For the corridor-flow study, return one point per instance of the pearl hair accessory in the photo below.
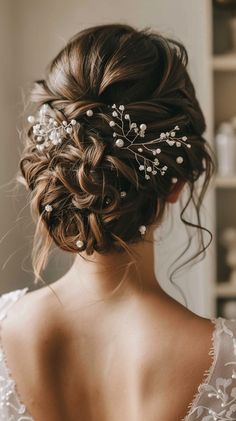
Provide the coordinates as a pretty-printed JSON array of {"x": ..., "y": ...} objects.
[
  {"x": 79, "y": 244},
  {"x": 48, "y": 208},
  {"x": 142, "y": 229},
  {"x": 47, "y": 131},
  {"x": 122, "y": 140}
]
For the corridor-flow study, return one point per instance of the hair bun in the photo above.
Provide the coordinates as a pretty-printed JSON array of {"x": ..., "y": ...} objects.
[{"x": 83, "y": 177}]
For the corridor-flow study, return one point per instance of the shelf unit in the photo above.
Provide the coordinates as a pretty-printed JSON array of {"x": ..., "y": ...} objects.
[
  {"x": 223, "y": 69},
  {"x": 224, "y": 62},
  {"x": 225, "y": 182},
  {"x": 225, "y": 291}
]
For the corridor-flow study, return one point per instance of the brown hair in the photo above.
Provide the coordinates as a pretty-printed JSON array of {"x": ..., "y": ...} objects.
[{"x": 100, "y": 66}]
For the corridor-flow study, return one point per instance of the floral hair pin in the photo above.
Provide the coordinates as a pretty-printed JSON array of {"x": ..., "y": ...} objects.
[
  {"x": 124, "y": 141},
  {"x": 47, "y": 131}
]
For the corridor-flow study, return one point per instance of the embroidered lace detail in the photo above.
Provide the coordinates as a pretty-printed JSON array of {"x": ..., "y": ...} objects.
[
  {"x": 11, "y": 407},
  {"x": 213, "y": 352},
  {"x": 216, "y": 398}
]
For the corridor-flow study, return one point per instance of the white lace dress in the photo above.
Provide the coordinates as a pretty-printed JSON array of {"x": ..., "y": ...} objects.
[{"x": 215, "y": 399}]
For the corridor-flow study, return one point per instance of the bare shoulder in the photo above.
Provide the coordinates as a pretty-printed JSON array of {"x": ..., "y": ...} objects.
[
  {"x": 32, "y": 334},
  {"x": 180, "y": 339},
  {"x": 33, "y": 340},
  {"x": 177, "y": 344},
  {"x": 32, "y": 318}
]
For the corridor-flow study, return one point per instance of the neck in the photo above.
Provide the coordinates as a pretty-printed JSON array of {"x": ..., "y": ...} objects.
[{"x": 101, "y": 274}]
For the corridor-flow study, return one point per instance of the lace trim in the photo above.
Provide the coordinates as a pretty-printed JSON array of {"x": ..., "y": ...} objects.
[
  {"x": 213, "y": 352},
  {"x": 22, "y": 409}
]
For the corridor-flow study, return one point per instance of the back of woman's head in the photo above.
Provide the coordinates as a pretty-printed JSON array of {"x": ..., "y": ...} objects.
[{"x": 83, "y": 178}]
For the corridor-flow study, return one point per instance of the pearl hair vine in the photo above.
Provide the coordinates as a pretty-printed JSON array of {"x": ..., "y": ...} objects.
[
  {"x": 47, "y": 131},
  {"x": 123, "y": 140}
]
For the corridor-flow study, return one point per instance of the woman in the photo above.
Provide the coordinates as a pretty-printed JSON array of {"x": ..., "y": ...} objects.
[{"x": 115, "y": 138}]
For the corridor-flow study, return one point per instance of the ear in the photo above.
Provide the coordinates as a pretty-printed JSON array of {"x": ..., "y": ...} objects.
[{"x": 175, "y": 192}]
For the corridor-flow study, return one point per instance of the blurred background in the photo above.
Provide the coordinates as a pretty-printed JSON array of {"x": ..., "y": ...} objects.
[{"x": 31, "y": 33}]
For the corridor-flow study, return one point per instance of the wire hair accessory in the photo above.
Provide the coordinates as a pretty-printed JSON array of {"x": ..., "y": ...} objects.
[
  {"x": 47, "y": 131},
  {"x": 125, "y": 141}
]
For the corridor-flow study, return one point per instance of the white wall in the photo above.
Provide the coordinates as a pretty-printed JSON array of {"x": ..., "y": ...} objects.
[{"x": 33, "y": 32}]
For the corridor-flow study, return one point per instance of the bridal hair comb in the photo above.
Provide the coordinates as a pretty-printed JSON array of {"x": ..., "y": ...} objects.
[{"x": 125, "y": 141}]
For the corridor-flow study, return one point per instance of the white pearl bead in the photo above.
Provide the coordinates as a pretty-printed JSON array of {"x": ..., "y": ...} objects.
[
  {"x": 158, "y": 150},
  {"x": 89, "y": 113},
  {"x": 143, "y": 126},
  {"x": 112, "y": 123},
  {"x": 64, "y": 123},
  {"x": 142, "y": 229},
  {"x": 31, "y": 119},
  {"x": 188, "y": 145},
  {"x": 69, "y": 130},
  {"x": 119, "y": 143},
  {"x": 73, "y": 122},
  {"x": 121, "y": 107},
  {"x": 123, "y": 193},
  {"x": 141, "y": 167},
  {"x": 114, "y": 114},
  {"x": 79, "y": 244},
  {"x": 179, "y": 159},
  {"x": 149, "y": 169},
  {"x": 140, "y": 149},
  {"x": 48, "y": 208},
  {"x": 184, "y": 138},
  {"x": 174, "y": 180}
]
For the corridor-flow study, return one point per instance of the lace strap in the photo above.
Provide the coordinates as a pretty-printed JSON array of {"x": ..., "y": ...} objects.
[
  {"x": 11, "y": 406},
  {"x": 206, "y": 378}
]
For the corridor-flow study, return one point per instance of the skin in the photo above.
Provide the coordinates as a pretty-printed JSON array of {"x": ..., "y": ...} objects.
[{"x": 82, "y": 354}]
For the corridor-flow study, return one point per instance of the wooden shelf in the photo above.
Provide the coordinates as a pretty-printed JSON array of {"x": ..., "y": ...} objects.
[
  {"x": 225, "y": 291},
  {"x": 225, "y": 182},
  {"x": 224, "y": 62}
]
